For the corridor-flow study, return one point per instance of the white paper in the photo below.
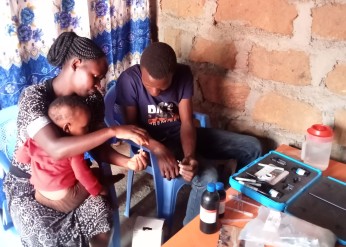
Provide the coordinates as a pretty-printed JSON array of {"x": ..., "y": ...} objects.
[{"x": 147, "y": 232}]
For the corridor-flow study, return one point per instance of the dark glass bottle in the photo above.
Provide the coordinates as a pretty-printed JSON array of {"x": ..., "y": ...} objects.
[
  {"x": 222, "y": 194},
  {"x": 209, "y": 209}
]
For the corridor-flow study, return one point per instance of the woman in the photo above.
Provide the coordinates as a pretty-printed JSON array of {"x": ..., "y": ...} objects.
[{"x": 83, "y": 66}]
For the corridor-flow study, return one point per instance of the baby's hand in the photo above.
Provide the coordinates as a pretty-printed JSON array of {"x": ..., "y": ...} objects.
[{"x": 138, "y": 162}]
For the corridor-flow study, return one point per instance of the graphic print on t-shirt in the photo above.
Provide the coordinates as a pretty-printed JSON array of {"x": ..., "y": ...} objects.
[{"x": 164, "y": 112}]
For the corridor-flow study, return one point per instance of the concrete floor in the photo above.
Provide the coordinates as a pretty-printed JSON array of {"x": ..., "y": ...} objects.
[{"x": 143, "y": 201}]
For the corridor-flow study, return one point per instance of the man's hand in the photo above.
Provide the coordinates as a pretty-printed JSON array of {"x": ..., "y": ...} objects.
[
  {"x": 138, "y": 162},
  {"x": 188, "y": 168},
  {"x": 131, "y": 132},
  {"x": 167, "y": 162}
]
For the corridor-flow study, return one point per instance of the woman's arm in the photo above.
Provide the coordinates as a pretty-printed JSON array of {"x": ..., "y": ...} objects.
[
  {"x": 107, "y": 154},
  {"x": 58, "y": 147}
]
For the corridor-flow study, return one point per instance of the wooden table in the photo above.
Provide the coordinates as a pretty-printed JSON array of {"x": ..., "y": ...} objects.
[{"x": 191, "y": 236}]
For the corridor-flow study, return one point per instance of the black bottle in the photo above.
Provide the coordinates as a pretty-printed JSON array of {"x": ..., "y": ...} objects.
[
  {"x": 209, "y": 209},
  {"x": 222, "y": 194}
]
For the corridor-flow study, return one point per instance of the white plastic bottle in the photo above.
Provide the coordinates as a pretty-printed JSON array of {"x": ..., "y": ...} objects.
[{"x": 317, "y": 146}]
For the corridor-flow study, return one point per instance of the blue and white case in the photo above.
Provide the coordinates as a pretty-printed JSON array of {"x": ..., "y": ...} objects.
[{"x": 307, "y": 195}]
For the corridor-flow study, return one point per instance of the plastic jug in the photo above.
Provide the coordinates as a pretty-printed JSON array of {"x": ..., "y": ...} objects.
[{"x": 317, "y": 146}]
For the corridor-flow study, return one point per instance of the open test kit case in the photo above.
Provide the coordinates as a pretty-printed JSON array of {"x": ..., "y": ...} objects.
[{"x": 285, "y": 184}]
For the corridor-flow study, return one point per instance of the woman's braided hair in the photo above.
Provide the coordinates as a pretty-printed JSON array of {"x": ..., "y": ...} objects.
[{"x": 69, "y": 45}]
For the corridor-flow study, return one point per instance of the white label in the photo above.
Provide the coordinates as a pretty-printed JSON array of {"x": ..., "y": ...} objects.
[
  {"x": 222, "y": 206},
  {"x": 207, "y": 216}
]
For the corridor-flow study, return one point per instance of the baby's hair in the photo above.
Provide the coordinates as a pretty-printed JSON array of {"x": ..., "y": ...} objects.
[
  {"x": 72, "y": 102},
  {"x": 159, "y": 60},
  {"x": 69, "y": 45}
]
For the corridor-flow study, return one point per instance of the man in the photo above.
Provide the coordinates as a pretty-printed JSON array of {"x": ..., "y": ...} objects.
[{"x": 157, "y": 96}]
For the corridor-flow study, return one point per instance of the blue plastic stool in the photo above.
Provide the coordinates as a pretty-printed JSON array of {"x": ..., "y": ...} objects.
[{"x": 116, "y": 231}]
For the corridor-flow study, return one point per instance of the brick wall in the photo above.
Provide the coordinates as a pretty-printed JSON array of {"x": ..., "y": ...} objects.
[{"x": 270, "y": 68}]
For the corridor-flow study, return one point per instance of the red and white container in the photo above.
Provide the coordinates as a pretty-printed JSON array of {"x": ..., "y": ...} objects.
[{"x": 317, "y": 146}]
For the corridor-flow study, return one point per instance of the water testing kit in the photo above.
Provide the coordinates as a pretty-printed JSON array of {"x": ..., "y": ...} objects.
[{"x": 291, "y": 186}]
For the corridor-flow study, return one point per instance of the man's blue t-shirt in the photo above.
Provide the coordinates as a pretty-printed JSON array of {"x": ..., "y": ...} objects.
[{"x": 158, "y": 115}]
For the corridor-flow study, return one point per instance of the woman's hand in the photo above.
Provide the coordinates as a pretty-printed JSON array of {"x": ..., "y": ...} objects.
[
  {"x": 138, "y": 162},
  {"x": 167, "y": 163},
  {"x": 131, "y": 132},
  {"x": 104, "y": 191},
  {"x": 188, "y": 168}
]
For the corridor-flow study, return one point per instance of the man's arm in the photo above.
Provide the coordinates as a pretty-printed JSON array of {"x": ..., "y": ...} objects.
[
  {"x": 189, "y": 165},
  {"x": 187, "y": 130},
  {"x": 167, "y": 162}
]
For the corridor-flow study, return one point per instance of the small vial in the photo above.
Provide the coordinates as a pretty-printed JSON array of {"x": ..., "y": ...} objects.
[
  {"x": 275, "y": 194},
  {"x": 300, "y": 171}
]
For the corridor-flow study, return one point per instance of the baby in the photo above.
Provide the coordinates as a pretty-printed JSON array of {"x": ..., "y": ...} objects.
[{"x": 62, "y": 184}]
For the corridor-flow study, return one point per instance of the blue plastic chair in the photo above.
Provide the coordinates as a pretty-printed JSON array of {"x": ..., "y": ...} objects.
[
  {"x": 166, "y": 191},
  {"x": 8, "y": 131},
  {"x": 116, "y": 232},
  {"x": 8, "y": 134}
]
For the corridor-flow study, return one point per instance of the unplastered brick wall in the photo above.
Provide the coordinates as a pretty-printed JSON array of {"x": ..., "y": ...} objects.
[{"x": 270, "y": 68}]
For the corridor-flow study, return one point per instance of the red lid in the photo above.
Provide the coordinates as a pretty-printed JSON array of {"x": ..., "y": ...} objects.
[{"x": 320, "y": 130}]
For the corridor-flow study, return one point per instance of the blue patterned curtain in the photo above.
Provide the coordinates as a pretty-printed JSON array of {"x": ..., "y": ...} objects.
[{"x": 29, "y": 27}]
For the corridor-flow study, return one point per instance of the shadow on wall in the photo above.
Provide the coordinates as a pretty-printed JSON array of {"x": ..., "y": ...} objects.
[{"x": 267, "y": 144}]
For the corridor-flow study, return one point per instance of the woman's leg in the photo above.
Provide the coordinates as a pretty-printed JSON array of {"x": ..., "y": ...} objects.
[{"x": 41, "y": 226}]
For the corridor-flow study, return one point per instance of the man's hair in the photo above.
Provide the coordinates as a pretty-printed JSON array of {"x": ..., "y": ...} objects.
[
  {"x": 159, "y": 60},
  {"x": 69, "y": 45},
  {"x": 72, "y": 102}
]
